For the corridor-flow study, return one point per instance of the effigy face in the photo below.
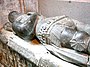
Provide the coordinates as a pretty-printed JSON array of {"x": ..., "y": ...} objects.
[{"x": 23, "y": 24}]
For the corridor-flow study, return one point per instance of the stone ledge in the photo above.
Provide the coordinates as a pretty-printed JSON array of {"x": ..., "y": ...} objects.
[{"x": 34, "y": 53}]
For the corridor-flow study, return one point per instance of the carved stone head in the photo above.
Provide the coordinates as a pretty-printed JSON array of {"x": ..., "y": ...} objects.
[{"x": 23, "y": 24}]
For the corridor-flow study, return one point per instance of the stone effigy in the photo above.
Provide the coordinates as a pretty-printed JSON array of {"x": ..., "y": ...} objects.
[{"x": 59, "y": 31}]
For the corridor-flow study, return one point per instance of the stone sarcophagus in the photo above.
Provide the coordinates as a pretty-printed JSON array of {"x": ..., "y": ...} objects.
[{"x": 59, "y": 32}]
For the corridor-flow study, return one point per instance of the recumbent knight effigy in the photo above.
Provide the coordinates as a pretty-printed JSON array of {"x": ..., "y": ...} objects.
[{"x": 59, "y": 31}]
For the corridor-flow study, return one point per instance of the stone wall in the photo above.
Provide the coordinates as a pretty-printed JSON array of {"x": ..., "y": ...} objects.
[
  {"x": 10, "y": 58},
  {"x": 72, "y": 8}
]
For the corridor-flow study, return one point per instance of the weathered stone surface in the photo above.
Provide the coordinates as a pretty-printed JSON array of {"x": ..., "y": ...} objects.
[
  {"x": 33, "y": 53},
  {"x": 10, "y": 58}
]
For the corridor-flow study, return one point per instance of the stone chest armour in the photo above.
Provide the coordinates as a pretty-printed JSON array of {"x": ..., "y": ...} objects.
[{"x": 55, "y": 30}]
